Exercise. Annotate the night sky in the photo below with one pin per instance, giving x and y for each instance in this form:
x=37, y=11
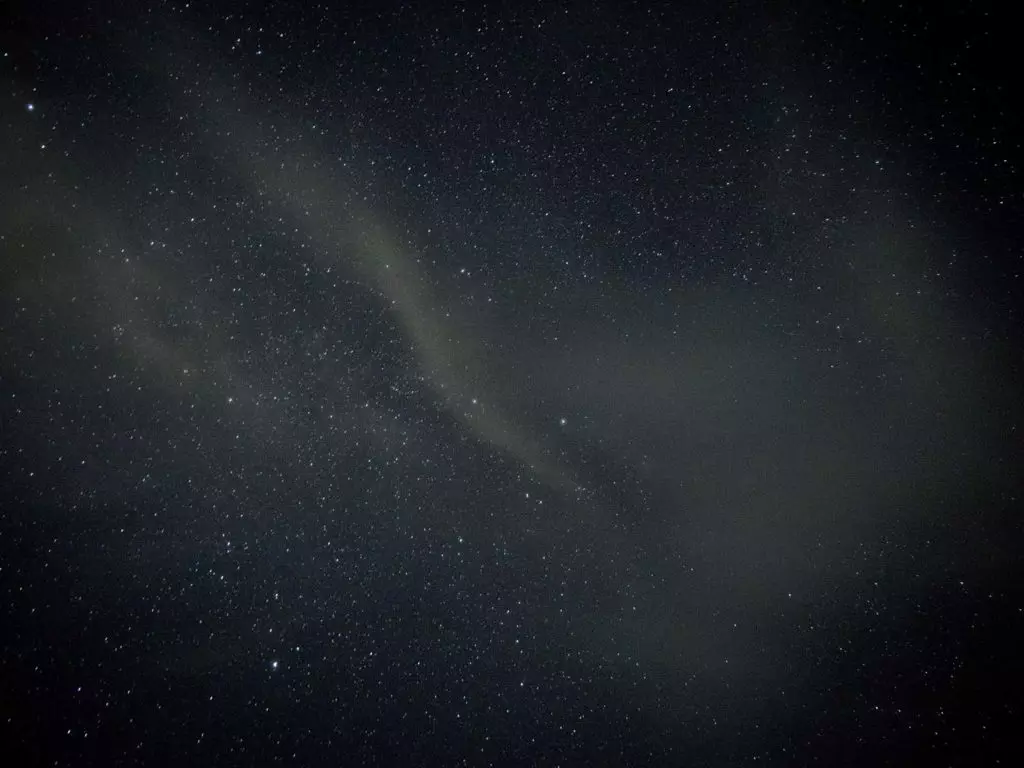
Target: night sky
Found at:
x=522, y=384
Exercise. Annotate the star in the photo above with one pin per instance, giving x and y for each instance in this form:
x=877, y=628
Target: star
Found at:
x=250, y=305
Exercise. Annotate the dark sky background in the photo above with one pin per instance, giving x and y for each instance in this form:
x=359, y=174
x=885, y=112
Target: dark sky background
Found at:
x=512, y=384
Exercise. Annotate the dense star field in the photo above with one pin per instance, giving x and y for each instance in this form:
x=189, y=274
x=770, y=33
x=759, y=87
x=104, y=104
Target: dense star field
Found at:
x=514, y=384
